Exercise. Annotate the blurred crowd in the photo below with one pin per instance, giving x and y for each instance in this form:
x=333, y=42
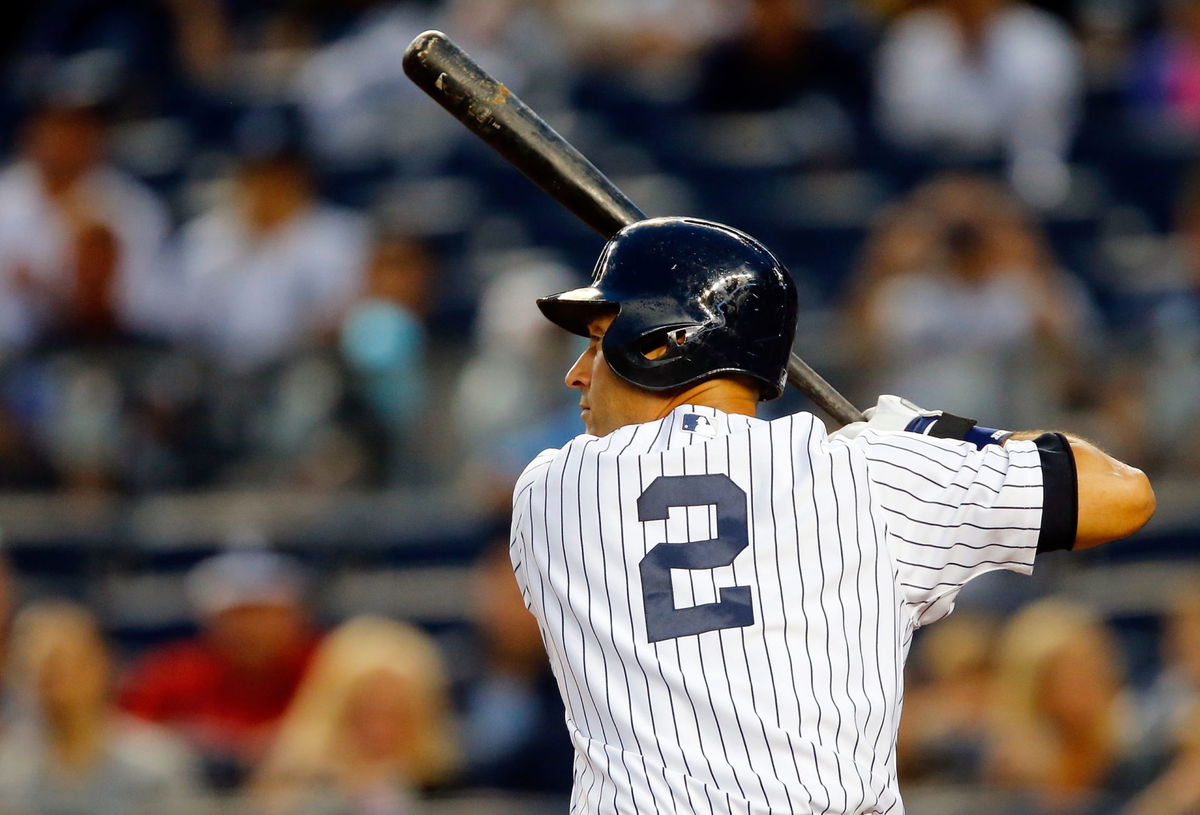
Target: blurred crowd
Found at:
x=237, y=247
x=239, y=250
x=266, y=711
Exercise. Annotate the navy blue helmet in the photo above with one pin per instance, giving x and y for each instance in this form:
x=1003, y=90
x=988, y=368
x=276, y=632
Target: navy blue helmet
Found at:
x=715, y=298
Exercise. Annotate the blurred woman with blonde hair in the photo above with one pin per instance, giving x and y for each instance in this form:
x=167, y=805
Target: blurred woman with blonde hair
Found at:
x=1062, y=722
x=368, y=730
x=70, y=751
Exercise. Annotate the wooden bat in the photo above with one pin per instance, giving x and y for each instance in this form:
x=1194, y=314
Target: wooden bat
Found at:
x=493, y=113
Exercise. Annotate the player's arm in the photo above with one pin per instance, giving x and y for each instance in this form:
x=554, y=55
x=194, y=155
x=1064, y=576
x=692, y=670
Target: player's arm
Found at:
x=1112, y=499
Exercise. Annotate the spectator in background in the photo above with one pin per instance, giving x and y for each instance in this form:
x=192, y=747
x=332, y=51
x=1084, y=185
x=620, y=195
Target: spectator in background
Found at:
x=510, y=400
x=369, y=730
x=1062, y=731
x=959, y=303
x=946, y=696
x=983, y=78
x=352, y=91
x=1174, y=699
x=515, y=734
x=782, y=55
x=80, y=241
x=1177, y=790
x=1171, y=712
x=271, y=270
x=73, y=753
x=1167, y=380
x=649, y=47
x=383, y=343
x=1164, y=82
x=226, y=689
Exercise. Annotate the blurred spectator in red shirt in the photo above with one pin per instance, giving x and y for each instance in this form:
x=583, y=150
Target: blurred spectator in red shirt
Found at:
x=80, y=241
x=226, y=689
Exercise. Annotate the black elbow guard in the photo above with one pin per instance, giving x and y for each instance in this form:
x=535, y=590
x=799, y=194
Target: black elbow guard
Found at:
x=1060, y=493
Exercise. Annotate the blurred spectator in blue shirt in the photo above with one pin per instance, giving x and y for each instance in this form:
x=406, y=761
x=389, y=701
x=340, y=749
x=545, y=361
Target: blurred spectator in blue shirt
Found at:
x=81, y=242
x=383, y=343
x=72, y=753
x=980, y=78
x=272, y=270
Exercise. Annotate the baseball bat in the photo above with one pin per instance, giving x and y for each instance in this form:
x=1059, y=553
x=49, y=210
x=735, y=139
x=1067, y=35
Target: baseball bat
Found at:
x=493, y=113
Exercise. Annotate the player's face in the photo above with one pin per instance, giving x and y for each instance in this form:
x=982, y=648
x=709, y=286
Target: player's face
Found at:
x=606, y=400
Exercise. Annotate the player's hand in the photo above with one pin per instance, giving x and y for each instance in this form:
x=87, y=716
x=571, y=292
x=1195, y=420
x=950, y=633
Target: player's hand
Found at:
x=893, y=414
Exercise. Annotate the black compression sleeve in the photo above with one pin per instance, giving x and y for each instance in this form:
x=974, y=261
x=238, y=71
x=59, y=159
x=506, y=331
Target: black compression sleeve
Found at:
x=1060, y=493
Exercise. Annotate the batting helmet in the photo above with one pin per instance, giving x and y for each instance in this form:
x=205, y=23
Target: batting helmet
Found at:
x=715, y=298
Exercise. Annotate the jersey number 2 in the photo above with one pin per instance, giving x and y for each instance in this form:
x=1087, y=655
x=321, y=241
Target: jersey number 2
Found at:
x=734, y=609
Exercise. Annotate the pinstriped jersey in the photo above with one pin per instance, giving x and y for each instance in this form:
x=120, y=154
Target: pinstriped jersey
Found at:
x=728, y=602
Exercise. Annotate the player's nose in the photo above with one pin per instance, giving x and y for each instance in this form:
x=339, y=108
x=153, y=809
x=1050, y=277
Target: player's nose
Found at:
x=578, y=376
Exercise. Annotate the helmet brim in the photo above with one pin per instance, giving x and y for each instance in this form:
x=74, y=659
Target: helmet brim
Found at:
x=574, y=309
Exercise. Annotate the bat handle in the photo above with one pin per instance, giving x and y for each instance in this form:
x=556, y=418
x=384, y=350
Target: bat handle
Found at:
x=825, y=396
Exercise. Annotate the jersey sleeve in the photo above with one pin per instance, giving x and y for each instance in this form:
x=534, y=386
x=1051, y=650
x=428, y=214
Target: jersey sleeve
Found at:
x=953, y=512
x=520, y=531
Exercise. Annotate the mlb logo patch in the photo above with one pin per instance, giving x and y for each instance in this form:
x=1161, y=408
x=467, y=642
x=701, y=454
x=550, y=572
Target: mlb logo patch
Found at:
x=695, y=423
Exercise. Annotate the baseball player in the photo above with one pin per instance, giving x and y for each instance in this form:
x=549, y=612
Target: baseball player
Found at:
x=728, y=602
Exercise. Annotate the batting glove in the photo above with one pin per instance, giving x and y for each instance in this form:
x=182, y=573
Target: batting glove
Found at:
x=893, y=414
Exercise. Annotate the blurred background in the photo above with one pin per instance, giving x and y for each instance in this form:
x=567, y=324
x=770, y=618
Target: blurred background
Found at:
x=269, y=365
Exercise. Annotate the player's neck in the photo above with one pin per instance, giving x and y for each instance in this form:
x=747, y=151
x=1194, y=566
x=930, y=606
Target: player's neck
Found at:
x=725, y=394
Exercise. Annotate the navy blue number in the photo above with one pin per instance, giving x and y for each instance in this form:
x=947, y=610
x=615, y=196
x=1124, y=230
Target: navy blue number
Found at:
x=734, y=607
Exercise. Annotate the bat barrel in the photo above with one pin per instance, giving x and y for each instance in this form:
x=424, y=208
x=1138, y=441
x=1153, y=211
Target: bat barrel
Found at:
x=496, y=115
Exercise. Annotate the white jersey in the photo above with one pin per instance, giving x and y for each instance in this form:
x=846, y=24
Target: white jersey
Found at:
x=727, y=602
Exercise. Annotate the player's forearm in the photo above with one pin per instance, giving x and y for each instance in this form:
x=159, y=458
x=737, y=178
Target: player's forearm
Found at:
x=1115, y=499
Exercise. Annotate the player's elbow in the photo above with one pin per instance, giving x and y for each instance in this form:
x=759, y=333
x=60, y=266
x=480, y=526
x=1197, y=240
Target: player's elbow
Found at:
x=1116, y=508
x=1140, y=502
